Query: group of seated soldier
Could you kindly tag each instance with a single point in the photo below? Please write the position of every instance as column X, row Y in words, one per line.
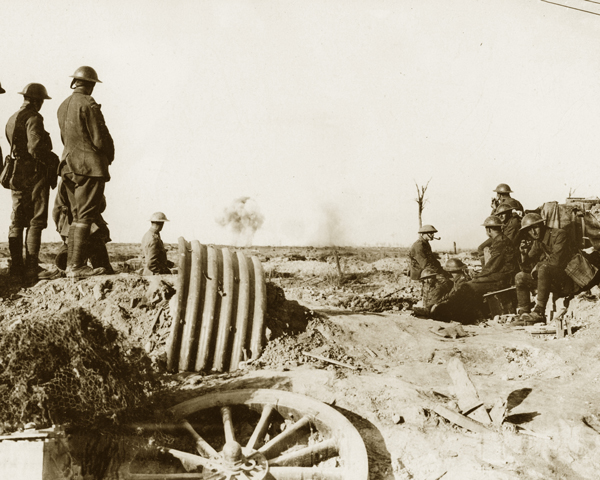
column 521, row 251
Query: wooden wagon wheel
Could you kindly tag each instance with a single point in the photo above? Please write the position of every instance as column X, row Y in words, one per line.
column 316, row 443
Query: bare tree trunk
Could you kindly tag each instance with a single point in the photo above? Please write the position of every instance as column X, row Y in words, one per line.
column 421, row 200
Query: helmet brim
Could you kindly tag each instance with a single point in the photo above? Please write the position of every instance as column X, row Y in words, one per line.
column 85, row 79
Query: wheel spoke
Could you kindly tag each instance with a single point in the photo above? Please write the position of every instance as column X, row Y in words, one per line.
column 228, row 425
column 307, row 456
column 191, row 459
column 274, row 446
column 304, row 473
column 261, row 427
column 202, row 446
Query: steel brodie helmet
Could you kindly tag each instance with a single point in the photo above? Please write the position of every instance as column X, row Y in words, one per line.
column 35, row 90
column 1, row 89
column 531, row 220
column 86, row 73
column 427, row 273
column 159, row 217
column 427, row 229
column 508, row 206
column 454, row 265
column 492, row 221
column 503, row 188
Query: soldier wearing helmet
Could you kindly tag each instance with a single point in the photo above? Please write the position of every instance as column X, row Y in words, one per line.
column 33, row 174
column 88, row 152
column 422, row 259
column 544, row 254
column 497, row 274
column 503, row 192
column 511, row 224
column 153, row 249
column 421, row 255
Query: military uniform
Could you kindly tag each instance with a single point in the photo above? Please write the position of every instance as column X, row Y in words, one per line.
column 465, row 302
column 502, row 200
column 88, row 152
column 544, row 269
column 99, row 233
column 30, row 185
column 421, row 256
column 155, row 255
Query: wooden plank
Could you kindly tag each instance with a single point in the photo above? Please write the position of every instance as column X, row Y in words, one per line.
column 466, row 392
column 498, row 412
column 460, row 420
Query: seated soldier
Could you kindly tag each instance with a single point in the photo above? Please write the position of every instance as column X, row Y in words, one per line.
column 544, row 254
column 99, row 234
column 511, row 225
column 153, row 249
column 498, row 272
column 503, row 192
column 435, row 287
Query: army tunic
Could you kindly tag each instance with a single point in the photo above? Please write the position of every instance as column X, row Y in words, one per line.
column 31, row 144
column 88, row 152
column 155, row 255
column 421, row 256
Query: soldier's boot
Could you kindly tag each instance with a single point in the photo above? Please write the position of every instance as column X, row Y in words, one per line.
column 61, row 257
column 99, row 256
column 32, row 251
column 77, row 268
column 15, row 247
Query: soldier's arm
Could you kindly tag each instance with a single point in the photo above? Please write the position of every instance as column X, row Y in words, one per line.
column 155, row 255
column 559, row 250
column 38, row 140
column 98, row 131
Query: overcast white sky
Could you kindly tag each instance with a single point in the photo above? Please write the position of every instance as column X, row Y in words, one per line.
column 323, row 112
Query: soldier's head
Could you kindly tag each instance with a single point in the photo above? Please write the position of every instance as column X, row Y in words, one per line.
column 503, row 191
column 455, row 266
column 533, row 226
column 85, row 78
column 493, row 226
column 505, row 211
column 427, row 232
column 35, row 94
column 158, row 220
column 428, row 276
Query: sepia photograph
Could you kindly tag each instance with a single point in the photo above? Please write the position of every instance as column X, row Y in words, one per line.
column 300, row 240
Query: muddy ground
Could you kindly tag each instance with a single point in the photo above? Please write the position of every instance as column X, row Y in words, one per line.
column 399, row 365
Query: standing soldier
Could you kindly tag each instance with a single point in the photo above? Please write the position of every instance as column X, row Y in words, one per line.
column 422, row 259
column 35, row 170
column 88, row 152
column 421, row 255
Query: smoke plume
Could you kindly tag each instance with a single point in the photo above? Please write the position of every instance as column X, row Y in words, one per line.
column 243, row 218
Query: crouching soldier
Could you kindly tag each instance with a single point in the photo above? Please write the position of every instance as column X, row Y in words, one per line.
column 434, row 286
column 498, row 272
column 544, row 254
column 155, row 255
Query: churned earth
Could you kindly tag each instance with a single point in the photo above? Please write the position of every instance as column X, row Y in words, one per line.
column 354, row 306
